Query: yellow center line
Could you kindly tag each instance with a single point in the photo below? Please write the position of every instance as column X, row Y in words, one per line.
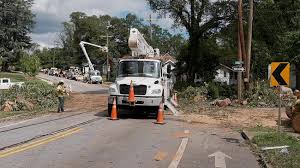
column 34, row 144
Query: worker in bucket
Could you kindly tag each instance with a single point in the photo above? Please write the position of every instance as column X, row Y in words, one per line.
column 61, row 92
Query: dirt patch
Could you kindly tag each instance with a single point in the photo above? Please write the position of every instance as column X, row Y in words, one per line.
column 86, row 102
column 236, row 117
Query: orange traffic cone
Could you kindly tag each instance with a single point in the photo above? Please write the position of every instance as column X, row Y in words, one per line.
column 131, row 98
column 114, row 113
column 160, row 115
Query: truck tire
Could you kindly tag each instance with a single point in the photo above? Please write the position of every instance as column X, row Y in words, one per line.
column 109, row 108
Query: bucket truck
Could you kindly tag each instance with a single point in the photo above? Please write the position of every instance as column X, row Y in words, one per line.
column 144, row 70
column 92, row 76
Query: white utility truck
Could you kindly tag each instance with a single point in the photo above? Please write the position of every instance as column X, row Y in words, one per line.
column 5, row 83
column 92, row 76
column 144, row 69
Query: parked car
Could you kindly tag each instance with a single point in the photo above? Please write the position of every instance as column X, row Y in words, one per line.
column 53, row 72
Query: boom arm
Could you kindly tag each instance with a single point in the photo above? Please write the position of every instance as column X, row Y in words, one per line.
column 82, row 43
column 139, row 45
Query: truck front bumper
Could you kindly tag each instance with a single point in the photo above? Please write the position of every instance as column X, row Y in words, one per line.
column 140, row 101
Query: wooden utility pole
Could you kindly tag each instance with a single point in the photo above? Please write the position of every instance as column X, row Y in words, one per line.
column 241, row 31
column 239, row 77
column 107, row 56
column 150, row 24
column 249, row 39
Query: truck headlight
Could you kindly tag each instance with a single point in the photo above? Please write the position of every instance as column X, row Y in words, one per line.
column 111, row 90
column 156, row 91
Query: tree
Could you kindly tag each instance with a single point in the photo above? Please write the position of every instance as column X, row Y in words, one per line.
column 276, row 35
column 30, row 64
column 93, row 29
column 15, row 24
column 201, row 18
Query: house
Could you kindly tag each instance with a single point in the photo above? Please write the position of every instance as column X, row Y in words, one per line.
column 225, row 75
column 168, row 62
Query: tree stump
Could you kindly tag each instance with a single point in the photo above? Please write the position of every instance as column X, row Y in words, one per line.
column 296, row 123
column 289, row 111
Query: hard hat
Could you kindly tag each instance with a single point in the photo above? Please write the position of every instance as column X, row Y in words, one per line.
column 61, row 81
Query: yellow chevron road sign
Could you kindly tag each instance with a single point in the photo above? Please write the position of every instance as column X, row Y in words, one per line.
column 280, row 74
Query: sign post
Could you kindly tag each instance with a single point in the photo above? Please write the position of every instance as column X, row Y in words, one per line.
column 238, row 67
column 280, row 76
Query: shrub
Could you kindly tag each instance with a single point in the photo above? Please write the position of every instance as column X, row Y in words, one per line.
column 213, row 90
column 182, row 85
column 30, row 64
column 262, row 94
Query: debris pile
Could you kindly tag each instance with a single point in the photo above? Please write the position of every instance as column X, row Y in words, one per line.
column 31, row 96
column 19, row 104
column 223, row 103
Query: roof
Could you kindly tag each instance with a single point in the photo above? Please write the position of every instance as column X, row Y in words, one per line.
column 226, row 67
column 167, row 57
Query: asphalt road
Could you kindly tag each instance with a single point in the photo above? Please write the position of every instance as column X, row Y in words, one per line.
column 90, row 140
column 76, row 86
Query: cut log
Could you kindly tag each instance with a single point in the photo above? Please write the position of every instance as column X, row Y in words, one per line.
column 289, row 111
column 296, row 123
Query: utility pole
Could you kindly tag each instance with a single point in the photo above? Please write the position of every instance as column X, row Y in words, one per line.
column 107, row 56
column 240, row 53
column 241, row 31
column 239, row 77
column 249, row 38
column 150, row 23
column 53, row 57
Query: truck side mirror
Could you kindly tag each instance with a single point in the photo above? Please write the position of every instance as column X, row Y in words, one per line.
column 169, row 69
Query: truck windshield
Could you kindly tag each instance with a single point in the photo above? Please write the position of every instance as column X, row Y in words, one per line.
column 139, row 69
column 95, row 73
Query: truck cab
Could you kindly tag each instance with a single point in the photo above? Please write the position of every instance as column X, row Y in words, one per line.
column 148, row 83
column 94, row 77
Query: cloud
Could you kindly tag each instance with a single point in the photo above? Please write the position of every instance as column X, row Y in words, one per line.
column 45, row 39
column 51, row 13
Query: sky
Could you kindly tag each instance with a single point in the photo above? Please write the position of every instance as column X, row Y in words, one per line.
column 51, row 13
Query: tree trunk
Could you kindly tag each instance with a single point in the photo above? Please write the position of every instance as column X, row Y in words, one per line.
column 5, row 66
column 193, row 49
column 298, row 76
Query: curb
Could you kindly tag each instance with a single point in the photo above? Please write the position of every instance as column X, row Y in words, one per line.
column 182, row 120
column 45, row 80
column 261, row 158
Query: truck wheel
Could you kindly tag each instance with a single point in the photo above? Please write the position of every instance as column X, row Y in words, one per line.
column 109, row 108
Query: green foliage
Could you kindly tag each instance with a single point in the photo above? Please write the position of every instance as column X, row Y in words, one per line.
column 213, row 90
column 203, row 20
column 275, row 158
column 93, row 29
column 30, row 64
column 15, row 25
column 261, row 94
column 41, row 94
column 190, row 92
column 227, row 91
column 181, row 85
